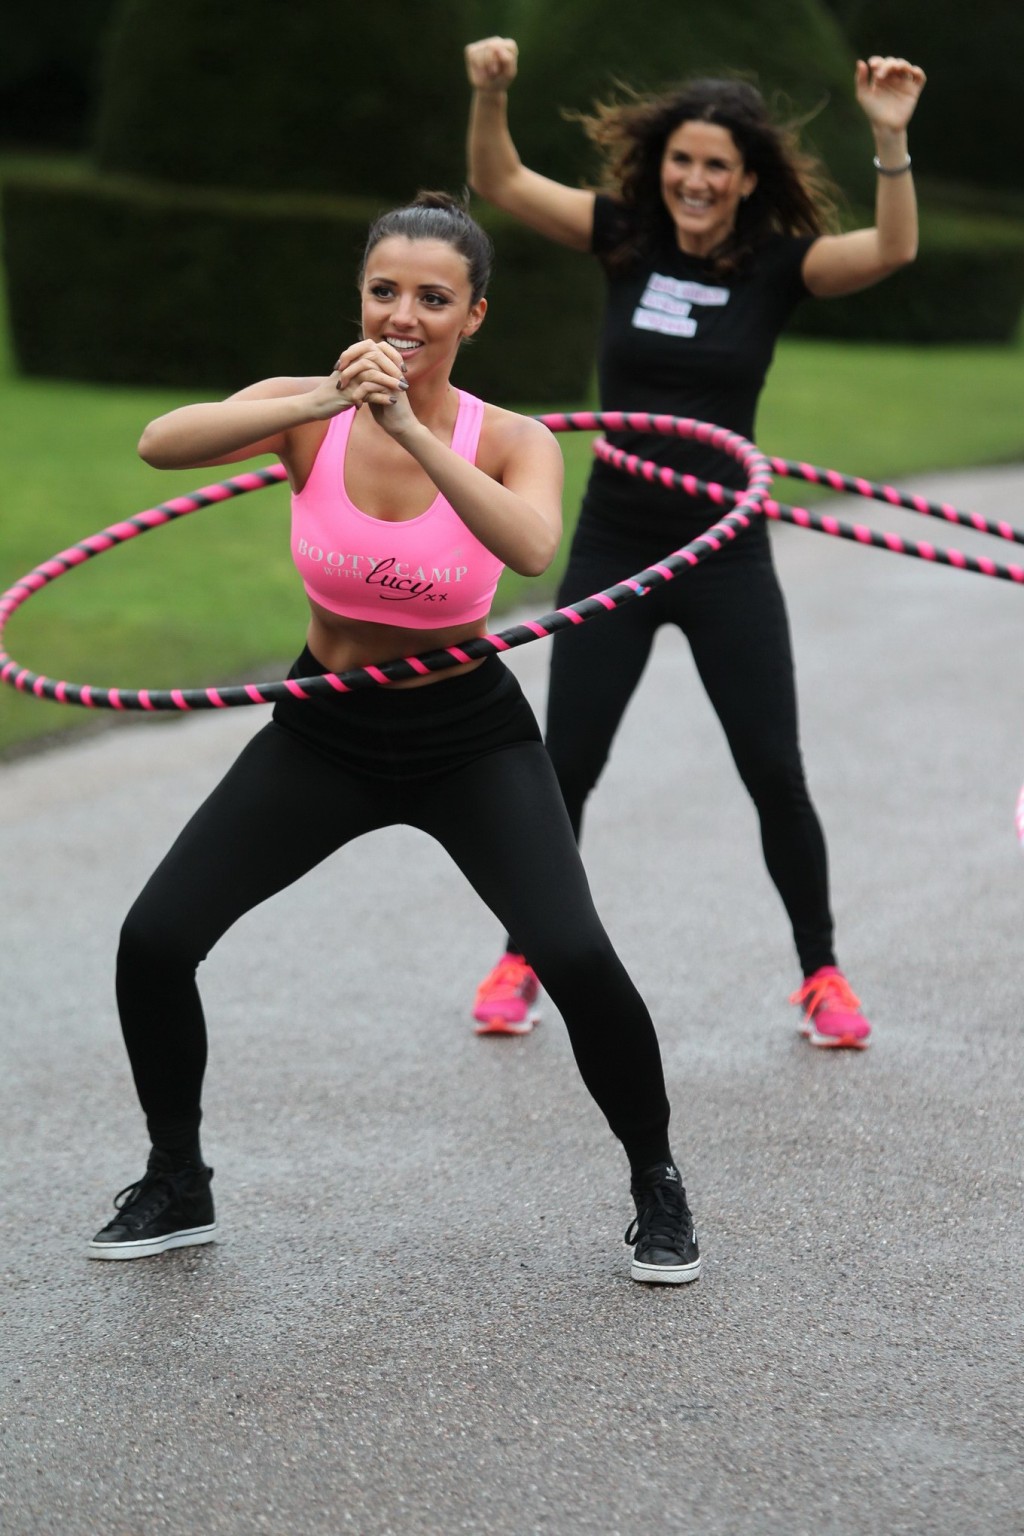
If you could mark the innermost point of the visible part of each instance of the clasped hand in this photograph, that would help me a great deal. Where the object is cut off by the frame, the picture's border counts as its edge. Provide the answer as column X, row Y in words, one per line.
column 367, row 373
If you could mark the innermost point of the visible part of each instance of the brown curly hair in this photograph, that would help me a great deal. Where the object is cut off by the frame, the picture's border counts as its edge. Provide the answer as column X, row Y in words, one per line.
column 793, row 196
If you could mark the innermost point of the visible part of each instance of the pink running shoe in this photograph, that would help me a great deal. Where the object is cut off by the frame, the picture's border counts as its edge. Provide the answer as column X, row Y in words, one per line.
column 505, row 998
column 831, row 1011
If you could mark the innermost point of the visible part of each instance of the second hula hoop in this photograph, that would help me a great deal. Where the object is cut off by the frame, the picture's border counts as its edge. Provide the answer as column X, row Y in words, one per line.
column 778, row 511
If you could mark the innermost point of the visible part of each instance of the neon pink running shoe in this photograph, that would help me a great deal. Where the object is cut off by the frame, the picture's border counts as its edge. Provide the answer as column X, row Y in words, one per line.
column 831, row 1011
column 505, row 998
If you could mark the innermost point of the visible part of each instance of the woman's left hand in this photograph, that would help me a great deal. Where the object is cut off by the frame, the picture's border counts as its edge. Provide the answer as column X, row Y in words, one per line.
column 888, row 90
column 397, row 417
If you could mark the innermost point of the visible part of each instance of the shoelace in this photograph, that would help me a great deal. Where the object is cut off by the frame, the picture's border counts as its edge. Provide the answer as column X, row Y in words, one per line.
column 664, row 1220
column 507, row 978
column 824, row 992
column 137, row 1203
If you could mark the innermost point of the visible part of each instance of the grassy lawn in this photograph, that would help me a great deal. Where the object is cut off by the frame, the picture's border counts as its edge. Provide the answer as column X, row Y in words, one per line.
column 214, row 597
column 890, row 411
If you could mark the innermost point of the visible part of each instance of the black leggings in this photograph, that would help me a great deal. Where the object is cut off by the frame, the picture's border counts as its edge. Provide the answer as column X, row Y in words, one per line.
column 460, row 759
column 731, row 610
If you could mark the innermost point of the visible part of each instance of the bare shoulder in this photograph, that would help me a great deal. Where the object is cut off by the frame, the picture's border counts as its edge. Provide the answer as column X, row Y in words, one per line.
column 508, row 434
column 273, row 389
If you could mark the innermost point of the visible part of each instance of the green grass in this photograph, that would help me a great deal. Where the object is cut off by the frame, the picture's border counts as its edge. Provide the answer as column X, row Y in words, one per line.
column 887, row 411
column 214, row 597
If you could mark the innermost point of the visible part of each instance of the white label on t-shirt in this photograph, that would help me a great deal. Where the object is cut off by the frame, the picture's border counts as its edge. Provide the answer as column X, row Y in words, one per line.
column 666, row 303
column 668, row 325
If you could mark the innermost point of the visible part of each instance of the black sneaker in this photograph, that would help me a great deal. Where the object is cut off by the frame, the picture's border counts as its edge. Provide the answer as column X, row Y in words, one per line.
column 664, row 1243
column 167, row 1208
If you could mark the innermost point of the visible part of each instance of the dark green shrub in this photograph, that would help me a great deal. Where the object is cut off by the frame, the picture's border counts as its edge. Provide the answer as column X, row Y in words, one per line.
column 967, row 127
column 967, row 285
column 125, row 283
column 48, row 68
column 332, row 97
column 948, row 296
column 317, row 96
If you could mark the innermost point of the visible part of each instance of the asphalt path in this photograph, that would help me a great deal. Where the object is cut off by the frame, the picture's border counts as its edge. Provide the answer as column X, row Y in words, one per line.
column 418, row 1317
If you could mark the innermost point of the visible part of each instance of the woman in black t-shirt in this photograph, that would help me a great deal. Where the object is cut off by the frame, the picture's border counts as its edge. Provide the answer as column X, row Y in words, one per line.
column 710, row 227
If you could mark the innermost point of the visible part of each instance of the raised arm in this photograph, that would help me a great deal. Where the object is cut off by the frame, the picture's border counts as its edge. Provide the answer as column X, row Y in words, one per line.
column 259, row 418
column 560, row 213
column 887, row 90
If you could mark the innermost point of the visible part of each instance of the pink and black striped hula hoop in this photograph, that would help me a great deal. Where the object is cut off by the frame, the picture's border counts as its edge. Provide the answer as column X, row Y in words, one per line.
column 745, row 506
column 722, row 496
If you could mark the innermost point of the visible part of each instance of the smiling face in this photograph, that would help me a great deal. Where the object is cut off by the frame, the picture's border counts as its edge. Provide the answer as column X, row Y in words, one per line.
column 417, row 296
column 703, row 182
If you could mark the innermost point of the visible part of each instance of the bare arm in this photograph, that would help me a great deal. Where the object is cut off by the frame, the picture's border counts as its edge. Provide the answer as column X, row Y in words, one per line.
column 259, row 418
column 888, row 90
column 560, row 213
column 517, row 516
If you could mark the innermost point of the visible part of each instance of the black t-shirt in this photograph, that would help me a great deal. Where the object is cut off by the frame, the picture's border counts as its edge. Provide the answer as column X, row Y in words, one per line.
column 680, row 340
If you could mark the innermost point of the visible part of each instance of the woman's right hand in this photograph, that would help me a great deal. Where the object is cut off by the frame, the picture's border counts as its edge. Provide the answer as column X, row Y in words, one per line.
column 491, row 64
column 367, row 373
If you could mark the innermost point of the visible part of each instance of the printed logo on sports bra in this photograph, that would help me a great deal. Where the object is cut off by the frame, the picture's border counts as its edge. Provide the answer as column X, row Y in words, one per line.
column 400, row 588
column 666, row 305
column 398, row 581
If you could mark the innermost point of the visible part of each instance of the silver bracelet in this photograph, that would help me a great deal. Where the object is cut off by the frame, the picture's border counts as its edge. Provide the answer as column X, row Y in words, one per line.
column 885, row 170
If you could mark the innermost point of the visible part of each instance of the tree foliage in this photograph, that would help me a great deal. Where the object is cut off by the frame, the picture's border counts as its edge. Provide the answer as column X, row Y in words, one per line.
column 967, row 128
column 48, row 68
column 344, row 98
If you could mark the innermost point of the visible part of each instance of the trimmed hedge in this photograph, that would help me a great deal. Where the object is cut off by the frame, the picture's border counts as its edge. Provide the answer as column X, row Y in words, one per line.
column 120, row 282
column 967, row 127
column 48, row 69
column 317, row 96
column 967, row 285
column 966, row 295
column 336, row 98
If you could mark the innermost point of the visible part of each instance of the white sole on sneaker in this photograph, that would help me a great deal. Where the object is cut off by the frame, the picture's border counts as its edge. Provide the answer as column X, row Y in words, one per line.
column 499, row 1026
column 143, row 1247
column 833, row 1042
column 664, row 1274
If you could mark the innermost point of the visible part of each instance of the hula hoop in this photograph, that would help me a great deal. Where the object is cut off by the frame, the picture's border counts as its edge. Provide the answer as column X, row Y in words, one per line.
column 746, row 505
column 802, row 517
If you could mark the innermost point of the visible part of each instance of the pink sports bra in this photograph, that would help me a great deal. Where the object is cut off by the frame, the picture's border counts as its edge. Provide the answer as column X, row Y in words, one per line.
column 425, row 572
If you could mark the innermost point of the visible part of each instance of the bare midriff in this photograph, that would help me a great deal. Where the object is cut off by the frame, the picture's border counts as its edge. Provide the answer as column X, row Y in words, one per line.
column 341, row 644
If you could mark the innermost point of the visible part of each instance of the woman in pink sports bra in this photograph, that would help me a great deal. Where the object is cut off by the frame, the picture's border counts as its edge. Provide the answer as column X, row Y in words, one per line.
column 408, row 498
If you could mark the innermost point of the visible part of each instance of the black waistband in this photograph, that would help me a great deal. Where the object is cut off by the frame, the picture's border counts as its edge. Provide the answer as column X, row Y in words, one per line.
column 412, row 732
column 454, row 689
